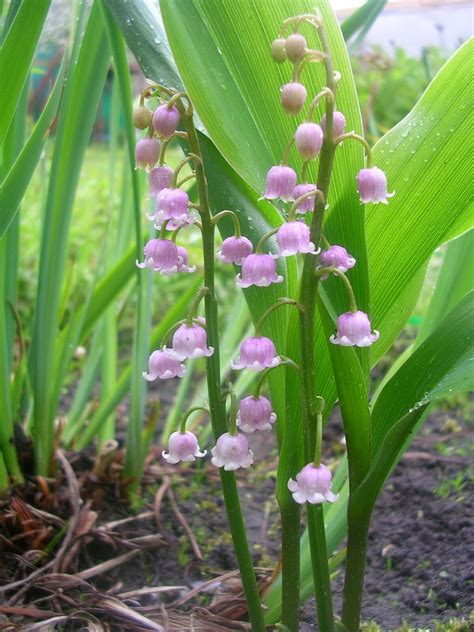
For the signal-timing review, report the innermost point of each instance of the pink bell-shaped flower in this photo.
(372, 186)
(161, 255)
(281, 181)
(312, 485)
(336, 257)
(159, 178)
(354, 329)
(257, 353)
(183, 446)
(183, 261)
(172, 204)
(338, 124)
(191, 342)
(165, 120)
(235, 250)
(255, 413)
(293, 97)
(294, 238)
(309, 140)
(232, 452)
(164, 365)
(147, 153)
(307, 205)
(259, 270)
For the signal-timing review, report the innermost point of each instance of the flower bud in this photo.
(281, 181)
(372, 186)
(295, 47)
(306, 206)
(293, 97)
(159, 178)
(163, 364)
(165, 120)
(337, 257)
(147, 152)
(183, 446)
(259, 270)
(235, 250)
(232, 452)
(278, 50)
(190, 341)
(308, 140)
(142, 117)
(257, 353)
(338, 124)
(354, 329)
(293, 238)
(255, 413)
(312, 485)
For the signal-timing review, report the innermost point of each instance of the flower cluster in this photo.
(301, 233)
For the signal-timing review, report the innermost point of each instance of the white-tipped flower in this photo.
(232, 452)
(183, 446)
(256, 353)
(294, 238)
(164, 365)
(191, 342)
(372, 186)
(312, 485)
(354, 330)
(255, 413)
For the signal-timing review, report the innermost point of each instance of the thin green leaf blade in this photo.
(18, 178)
(16, 56)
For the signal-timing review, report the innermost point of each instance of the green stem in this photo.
(360, 139)
(285, 362)
(217, 218)
(307, 298)
(306, 196)
(187, 415)
(290, 554)
(195, 304)
(325, 92)
(190, 157)
(357, 536)
(347, 283)
(216, 404)
(280, 303)
(264, 239)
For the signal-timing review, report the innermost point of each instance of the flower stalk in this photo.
(216, 404)
(307, 298)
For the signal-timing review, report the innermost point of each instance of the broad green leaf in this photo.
(16, 56)
(441, 365)
(13, 187)
(427, 160)
(455, 279)
(76, 117)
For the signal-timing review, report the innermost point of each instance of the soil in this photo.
(420, 561)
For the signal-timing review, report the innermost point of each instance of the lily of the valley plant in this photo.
(301, 235)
